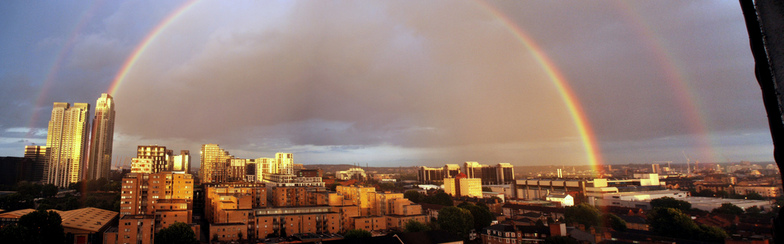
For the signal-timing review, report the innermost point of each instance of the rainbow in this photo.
(55, 69)
(675, 78)
(556, 77)
(131, 61)
(579, 117)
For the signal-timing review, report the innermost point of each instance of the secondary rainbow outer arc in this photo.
(557, 78)
(675, 78)
(131, 61)
(54, 70)
(567, 95)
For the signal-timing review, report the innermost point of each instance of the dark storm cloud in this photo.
(346, 74)
(412, 83)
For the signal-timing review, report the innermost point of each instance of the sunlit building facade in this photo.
(37, 154)
(66, 142)
(214, 162)
(141, 165)
(157, 154)
(101, 138)
(285, 163)
(182, 162)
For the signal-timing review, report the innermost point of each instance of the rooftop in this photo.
(90, 219)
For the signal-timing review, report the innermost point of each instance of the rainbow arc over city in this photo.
(556, 77)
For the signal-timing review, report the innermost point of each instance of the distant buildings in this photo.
(352, 173)
(462, 186)
(502, 173)
(214, 161)
(218, 166)
(101, 138)
(37, 154)
(66, 143)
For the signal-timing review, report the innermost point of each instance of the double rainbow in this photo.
(588, 139)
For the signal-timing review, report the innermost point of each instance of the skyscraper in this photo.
(37, 154)
(214, 162)
(285, 163)
(182, 162)
(101, 138)
(66, 143)
(158, 154)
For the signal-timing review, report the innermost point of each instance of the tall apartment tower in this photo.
(66, 142)
(101, 138)
(285, 163)
(473, 169)
(158, 154)
(37, 154)
(182, 162)
(214, 162)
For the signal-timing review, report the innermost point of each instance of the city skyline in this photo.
(387, 83)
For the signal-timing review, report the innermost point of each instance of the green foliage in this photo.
(671, 222)
(16, 201)
(357, 233)
(754, 196)
(482, 216)
(414, 196)
(582, 214)
(495, 199)
(754, 211)
(440, 198)
(613, 221)
(712, 234)
(456, 220)
(49, 190)
(669, 202)
(728, 208)
(415, 226)
(484, 188)
(560, 240)
(35, 227)
(14, 234)
(177, 233)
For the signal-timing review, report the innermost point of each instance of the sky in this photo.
(393, 83)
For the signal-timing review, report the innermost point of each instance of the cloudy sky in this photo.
(392, 83)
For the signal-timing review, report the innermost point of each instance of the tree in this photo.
(49, 190)
(14, 234)
(456, 220)
(415, 226)
(482, 216)
(754, 211)
(414, 196)
(669, 202)
(728, 208)
(754, 196)
(41, 226)
(583, 214)
(178, 233)
(672, 222)
(440, 198)
(613, 221)
(357, 233)
(712, 233)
